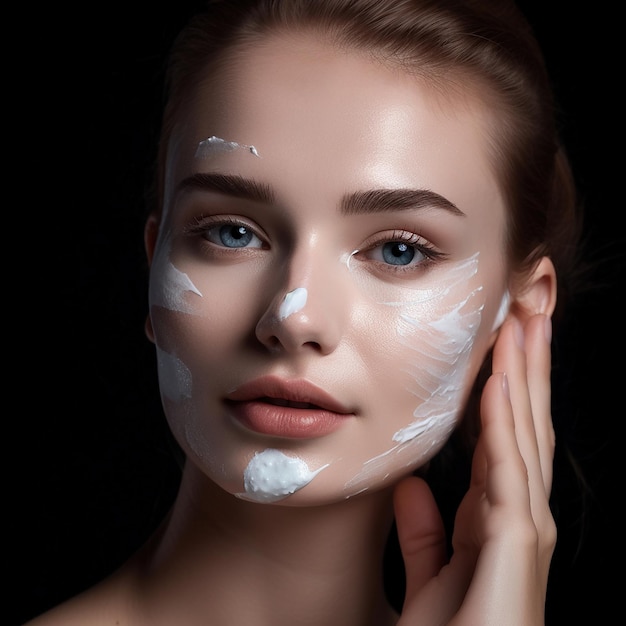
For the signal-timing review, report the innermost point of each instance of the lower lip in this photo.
(284, 421)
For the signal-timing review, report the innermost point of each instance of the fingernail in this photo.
(548, 328)
(505, 385)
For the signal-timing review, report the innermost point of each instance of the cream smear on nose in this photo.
(293, 302)
(272, 475)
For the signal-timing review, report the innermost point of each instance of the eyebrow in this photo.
(355, 203)
(230, 185)
(383, 200)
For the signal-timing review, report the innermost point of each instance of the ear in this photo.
(537, 295)
(150, 234)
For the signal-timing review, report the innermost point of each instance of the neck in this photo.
(218, 555)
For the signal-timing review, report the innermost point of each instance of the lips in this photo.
(294, 409)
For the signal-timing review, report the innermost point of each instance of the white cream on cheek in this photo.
(174, 377)
(437, 329)
(503, 310)
(169, 288)
(168, 285)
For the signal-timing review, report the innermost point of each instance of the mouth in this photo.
(288, 403)
(294, 409)
(296, 394)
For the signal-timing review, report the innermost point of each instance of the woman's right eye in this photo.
(232, 236)
(226, 233)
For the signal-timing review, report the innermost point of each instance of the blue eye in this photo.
(232, 236)
(397, 253)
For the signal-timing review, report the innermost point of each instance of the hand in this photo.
(504, 533)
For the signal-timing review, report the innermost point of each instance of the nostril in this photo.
(314, 344)
(273, 342)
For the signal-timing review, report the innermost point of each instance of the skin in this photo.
(326, 124)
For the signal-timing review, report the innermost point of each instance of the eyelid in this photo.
(199, 224)
(429, 255)
(406, 236)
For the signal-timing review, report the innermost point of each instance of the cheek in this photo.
(431, 334)
(190, 331)
(438, 353)
(433, 349)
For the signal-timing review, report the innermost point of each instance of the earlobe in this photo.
(148, 328)
(150, 234)
(538, 294)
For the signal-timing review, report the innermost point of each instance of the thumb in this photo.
(421, 533)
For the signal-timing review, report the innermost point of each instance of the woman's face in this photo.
(328, 274)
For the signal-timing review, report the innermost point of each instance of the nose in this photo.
(309, 311)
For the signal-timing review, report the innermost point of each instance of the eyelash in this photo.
(422, 246)
(202, 224)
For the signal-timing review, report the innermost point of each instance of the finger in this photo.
(509, 356)
(421, 532)
(515, 542)
(505, 473)
(538, 332)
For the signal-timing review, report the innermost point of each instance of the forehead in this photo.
(333, 119)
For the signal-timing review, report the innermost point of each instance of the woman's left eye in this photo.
(396, 253)
(404, 251)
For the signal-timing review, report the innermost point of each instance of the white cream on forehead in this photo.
(213, 145)
(271, 475)
(293, 302)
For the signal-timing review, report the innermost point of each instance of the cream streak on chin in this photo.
(271, 475)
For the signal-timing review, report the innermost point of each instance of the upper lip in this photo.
(269, 388)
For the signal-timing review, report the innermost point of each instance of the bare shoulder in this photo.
(108, 603)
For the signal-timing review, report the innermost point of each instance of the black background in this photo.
(91, 470)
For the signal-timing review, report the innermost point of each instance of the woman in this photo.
(363, 226)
